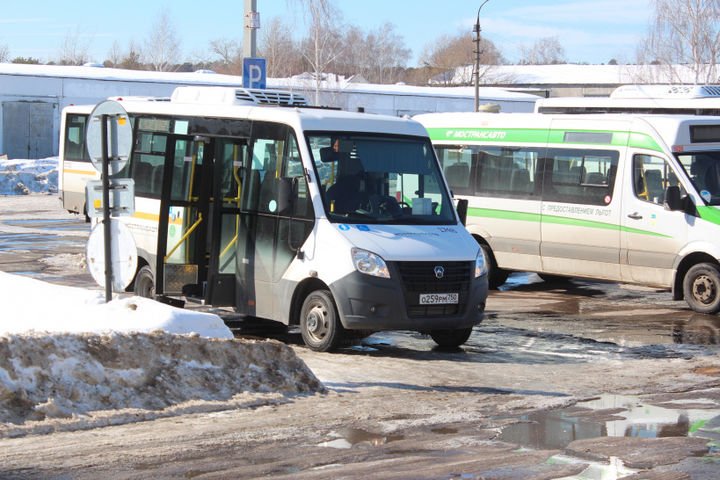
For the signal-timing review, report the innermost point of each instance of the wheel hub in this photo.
(315, 321)
(704, 289)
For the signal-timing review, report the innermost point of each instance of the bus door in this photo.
(230, 155)
(276, 217)
(184, 220)
(652, 236)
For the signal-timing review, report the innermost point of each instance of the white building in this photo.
(32, 96)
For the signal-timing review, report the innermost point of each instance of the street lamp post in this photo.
(476, 31)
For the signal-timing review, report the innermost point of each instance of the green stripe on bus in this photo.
(538, 135)
(709, 214)
(555, 219)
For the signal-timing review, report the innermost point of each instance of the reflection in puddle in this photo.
(613, 416)
(349, 437)
(608, 416)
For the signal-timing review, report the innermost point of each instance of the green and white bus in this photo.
(334, 221)
(629, 198)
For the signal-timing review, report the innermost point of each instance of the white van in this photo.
(631, 198)
(338, 222)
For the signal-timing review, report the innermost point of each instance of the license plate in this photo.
(438, 298)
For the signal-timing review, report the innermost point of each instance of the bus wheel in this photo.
(451, 338)
(701, 287)
(145, 283)
(496, 276)
(320, 323)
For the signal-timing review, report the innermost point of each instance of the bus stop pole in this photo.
(106, 208)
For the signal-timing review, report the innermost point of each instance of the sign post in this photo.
(109, 142)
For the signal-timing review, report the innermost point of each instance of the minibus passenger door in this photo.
(184, 218)
(230, 157)
(652, 235)
(580, 213)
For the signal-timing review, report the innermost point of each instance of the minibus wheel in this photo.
(145, 283)
(701, 287)
(320, 323)
(496, 276)
(451, 338)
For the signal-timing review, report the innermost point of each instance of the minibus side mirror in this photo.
(673, 200)
(462, 209)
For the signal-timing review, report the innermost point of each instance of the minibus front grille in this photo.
(421, 278)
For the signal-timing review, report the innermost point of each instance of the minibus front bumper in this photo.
(371, 303)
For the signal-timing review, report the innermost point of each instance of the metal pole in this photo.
(476, 30)
(106, 208)
(252, 20)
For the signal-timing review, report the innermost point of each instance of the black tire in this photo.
(451, 338)
(701, 287)
(320, 323)
(496, 276)
(145, 283)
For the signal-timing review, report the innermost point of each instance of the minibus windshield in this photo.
(703, 168)
(369, 178)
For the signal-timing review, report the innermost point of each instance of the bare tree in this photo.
(73, 51)
(323, 46)
(447, 53)
(687, 33)
(386, 55)
(4, 54)
(229, 56)
(162, 47)
(545, 51)
(281, 51)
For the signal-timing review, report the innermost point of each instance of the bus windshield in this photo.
(703, 168)
(368, 178)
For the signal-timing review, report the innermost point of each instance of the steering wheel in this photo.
(385, 205)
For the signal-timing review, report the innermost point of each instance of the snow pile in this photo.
(65, 354)
(21, 177)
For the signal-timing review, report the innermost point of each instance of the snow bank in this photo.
(21, 177)
(65, 375)
(64, 353)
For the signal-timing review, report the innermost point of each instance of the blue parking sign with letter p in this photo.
(254, 73)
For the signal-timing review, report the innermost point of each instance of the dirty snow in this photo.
(65, 354)
(22, 177)
(68, 360)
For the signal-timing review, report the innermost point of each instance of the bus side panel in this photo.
(513, 228)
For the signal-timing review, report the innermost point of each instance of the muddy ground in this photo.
(567, 380)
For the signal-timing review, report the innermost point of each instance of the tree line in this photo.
(685, 32)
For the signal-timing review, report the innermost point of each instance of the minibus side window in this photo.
(506, 172)
(651, 177)
(456, 163)
(75, 126)
(580, 176)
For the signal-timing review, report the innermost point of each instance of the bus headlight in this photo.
(369, 263)
(480, 264)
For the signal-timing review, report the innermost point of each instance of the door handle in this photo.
(635, 216)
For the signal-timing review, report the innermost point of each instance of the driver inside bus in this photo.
(347, 194)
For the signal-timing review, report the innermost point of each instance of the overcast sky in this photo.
(592, 31)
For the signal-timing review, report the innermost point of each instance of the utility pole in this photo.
(252, 23)
(476, 31)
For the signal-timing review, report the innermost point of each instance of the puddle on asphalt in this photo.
(50, 224)
(609, 416)
(613, 416)
(349, 437)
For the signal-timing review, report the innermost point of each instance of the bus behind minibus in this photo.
(627, 198)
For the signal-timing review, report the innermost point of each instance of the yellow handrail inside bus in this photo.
(185, 236)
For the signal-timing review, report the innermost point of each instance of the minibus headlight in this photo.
(369, 263)
(480, 264)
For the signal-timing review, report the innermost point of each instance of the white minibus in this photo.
(338, 222)
(629, 198)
